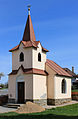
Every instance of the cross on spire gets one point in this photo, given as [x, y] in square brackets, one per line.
[29, 9]
[29, 31]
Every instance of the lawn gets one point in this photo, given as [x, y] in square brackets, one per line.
[66, 112]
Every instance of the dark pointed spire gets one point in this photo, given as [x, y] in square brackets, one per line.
[29, 31]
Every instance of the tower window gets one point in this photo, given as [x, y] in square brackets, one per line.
[39, 57]
[21, 57]
[63, 86]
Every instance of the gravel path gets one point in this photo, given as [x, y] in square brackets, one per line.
[6, 109]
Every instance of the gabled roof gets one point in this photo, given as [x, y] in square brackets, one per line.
[70, 72]
[29, 71]
[29, 37]
[55, 67]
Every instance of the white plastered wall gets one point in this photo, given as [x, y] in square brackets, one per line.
[30, 58]
[12, 86]
[27, 63]
[58, 86]
[35, 62]
[39, 87]
[31, 80]
[54, 85]
[35, 86]
[20, 77]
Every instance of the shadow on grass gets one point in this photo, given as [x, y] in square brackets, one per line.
[47, 116]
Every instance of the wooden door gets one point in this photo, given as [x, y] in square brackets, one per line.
[21, 92]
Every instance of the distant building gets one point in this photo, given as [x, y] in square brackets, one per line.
[34, 77]
[74, 76]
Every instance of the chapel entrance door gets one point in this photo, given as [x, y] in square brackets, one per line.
[21, 92]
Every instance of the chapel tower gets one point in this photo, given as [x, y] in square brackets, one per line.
[27, 81]
[29, 53]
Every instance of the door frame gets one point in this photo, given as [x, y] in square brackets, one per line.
[19, 79]
[23, 89]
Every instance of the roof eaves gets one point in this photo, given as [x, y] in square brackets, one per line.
[63, 75]
[15, 48]
[43, 49]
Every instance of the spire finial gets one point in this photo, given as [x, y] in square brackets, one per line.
[29, 9]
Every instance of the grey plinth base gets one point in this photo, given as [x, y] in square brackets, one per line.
[11, 101]
[57, 101]
[41, 102]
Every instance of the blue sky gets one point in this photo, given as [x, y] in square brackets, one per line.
[55, 24]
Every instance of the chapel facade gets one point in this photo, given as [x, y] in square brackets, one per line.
[34, 77]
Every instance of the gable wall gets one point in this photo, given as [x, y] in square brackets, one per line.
[13, 79]
[30, 58]
[27, 58]
[35, 86]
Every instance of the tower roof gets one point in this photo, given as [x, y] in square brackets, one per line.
[29, 39]
[29, 31]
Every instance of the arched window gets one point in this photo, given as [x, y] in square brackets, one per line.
[21, 57]
[63, 86]
[39, 57]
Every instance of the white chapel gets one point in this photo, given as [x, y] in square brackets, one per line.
[34, 77]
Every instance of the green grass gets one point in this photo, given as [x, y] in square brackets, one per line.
[74, 90]
[66, 112]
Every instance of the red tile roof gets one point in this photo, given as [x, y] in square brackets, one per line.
[59, 70]
[29, 71]
[28, 44]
